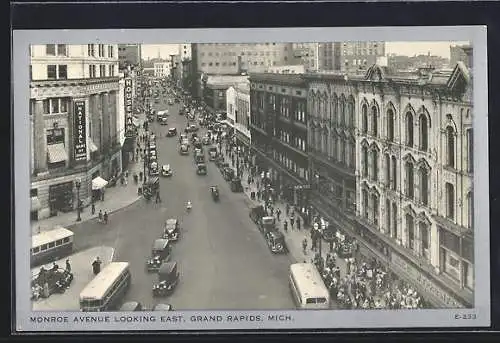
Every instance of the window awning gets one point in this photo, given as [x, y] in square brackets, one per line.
[57, 153]
[92, 146]
[98, 183]
[136, 122]
[35, 204]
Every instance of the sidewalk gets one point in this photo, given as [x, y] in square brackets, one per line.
[82, 272]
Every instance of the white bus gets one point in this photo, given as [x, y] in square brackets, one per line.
[107, 289]
[307, 287]
[51, 245]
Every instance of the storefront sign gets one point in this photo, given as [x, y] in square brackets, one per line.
[130, 129]
[424, 283]
[80, 135]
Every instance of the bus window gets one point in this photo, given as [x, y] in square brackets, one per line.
[35, 250]
[310, 301]
[58, 242]
[43, 247]
[320, 300]
[52, 244]
[66, 240]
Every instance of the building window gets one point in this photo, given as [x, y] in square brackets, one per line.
[101, 50]
[394, 178]
[51, 72]
[409, 180]
[92, 71]
[470, 209]
[62, 50]
[111, 70]
[387, 216]
[410, 229]
[374, 165]
[55, 136]
[424, 237]
[394, 232]
[376, 206]
[390, 125]
[409, 129]
[364, 196]
[55, 105]
[387, 170]
[450, 140]
[374, 121]
[364, 161]
[470, 151]
[50, 49]
[110, 51]
[424, 185]
[450, 201]
[102, 70]
[364, 120]
[91, 50]
[424, 133]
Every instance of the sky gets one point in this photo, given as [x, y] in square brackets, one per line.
[401, 48]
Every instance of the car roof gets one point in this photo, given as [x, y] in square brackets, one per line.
[167, 267]
[130, 306]
[162, 307]
[171, 221]
[275, 234]
[160, 243]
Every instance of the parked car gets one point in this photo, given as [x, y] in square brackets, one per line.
[172, 131]
[184, 150]
[131, 306]
[276, 242]
[171, 230]
[201, 169]
[163, 307]
[166, 170]
[256, 213]
[168, 278]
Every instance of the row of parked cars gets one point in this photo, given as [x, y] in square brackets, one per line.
[267, 226]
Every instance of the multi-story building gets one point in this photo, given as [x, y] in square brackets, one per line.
[74, 122]
[214, 89]
[162, 69]
[332, 142]
[460, 53]
[129, 55]
[278, 126]
[234, 59]
[185, 52]
[314, 56]
[238, 111]
[287, 69]
[353, 56]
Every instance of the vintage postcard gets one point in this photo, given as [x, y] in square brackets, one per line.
[251, 179]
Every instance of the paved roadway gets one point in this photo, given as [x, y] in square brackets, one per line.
[223, 259]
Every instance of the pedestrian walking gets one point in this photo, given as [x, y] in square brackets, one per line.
[68, 266]
[285, 226]
[278, 214]
[298, 223]
[157, 199]
[105, 217]
[92, 208]
[140, 176]
[96, 265]
[292, 221]
[100, 216]
[287, 208]
[331, 245]
[304, 246]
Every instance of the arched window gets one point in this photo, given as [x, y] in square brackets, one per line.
[364, 158]
[351, 113]
[394, 178]
[364, 195]
[450, 142]
[374, 165]
[390, 125]
[410, 230]
[424, 132]
[387, 227]
[376, 207]
[470, 209]
[342, 112]
[342, 150]
[334, 110]
[394, 232]
[409, 129]
[424, 237]
[352, 154]
[334, 148]
[374, 121]
[424, 185]
[450, 201]
[364, 120]
[387, 167]
[409, 180]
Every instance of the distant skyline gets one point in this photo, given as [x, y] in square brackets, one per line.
[401, 48]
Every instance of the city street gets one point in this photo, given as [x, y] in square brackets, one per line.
[223, 260]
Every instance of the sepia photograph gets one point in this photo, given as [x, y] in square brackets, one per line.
[227, 184]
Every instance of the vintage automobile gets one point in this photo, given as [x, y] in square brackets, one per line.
[193, 128]
[199, 157]
[267, 224]
[166, 170]
[198, 145]
[201, 169]
[214, 190]
[153, 169]
[228, 173]
[150, 187]
[276, 242]
[184, 150]
[256, 213]
[171, 230]
[168, 278]
[194, 137]
[172, 131]
[163, 120]
[160, 253]
[212, 153]
[186, 142]
[236, 186]
[131, 306]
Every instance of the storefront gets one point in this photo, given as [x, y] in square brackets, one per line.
[128, 152]
[61, 198]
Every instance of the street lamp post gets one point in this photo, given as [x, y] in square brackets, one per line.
[78, 184]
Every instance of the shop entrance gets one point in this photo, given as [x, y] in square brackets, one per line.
[61, 198]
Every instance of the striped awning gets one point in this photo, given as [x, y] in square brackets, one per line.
[57, 153]
[92, 146]
[35, 204]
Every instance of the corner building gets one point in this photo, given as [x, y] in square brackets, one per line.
[74, 123]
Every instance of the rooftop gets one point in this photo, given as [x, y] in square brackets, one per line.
[288, 79]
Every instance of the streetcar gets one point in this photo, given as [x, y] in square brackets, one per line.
[51, 246]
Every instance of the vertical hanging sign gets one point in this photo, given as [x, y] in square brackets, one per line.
[80, 135]
[130, 129]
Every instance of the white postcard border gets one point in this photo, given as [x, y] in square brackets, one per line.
[354, 319]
